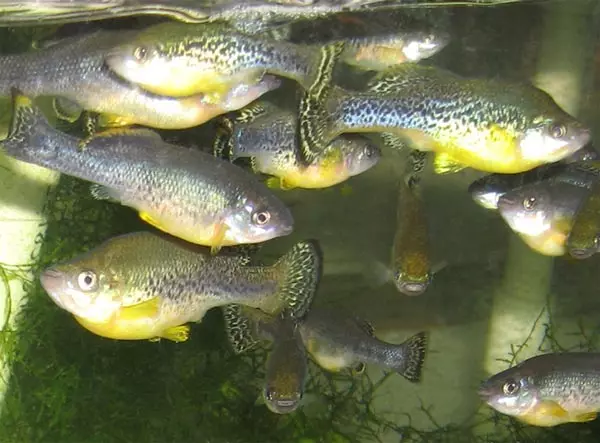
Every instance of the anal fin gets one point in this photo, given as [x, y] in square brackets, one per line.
[177, 334]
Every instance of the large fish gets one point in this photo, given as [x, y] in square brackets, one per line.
[187, 193]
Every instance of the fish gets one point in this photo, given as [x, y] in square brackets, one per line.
[266, 133]
[177, 59]
[484, 124]
[584, 237]
[486, 190]
[287, 362]
[547, 390]
[542, 213]
[338, 341]
[146, 285]
[185, 192]
[411, 264]
[374, 40]
[73, 71]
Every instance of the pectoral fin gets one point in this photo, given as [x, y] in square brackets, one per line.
[177, 334]
[220, 231]
[445, 164]
[587, 416]
[114, 121]
[66, 109]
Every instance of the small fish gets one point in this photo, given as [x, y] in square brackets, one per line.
[543, 212]
[336, 342]
[548, 390]
[484, 124]
[187, 193]
[287, 363]
[374, 40]
[584, 238]
[73, 70]
[146, 286]
[178, 60]
[411, 262]
[487, 190]
[267, 134]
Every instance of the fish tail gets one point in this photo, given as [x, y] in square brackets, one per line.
[413, 356]
[238, 328]
[313, 117]
[27, 123]
[302, 269]
[222, 145]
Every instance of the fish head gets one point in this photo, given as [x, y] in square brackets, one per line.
[280, 396]
[487, 190]
[528, 210]
[359, 154]
[259, 217]
[421, 45]
[412, 285]
[143, 64]
[552, 138]
[84, 291]
[510, 392]
[244, 93]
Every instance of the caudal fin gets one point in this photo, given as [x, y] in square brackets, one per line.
[313, 116]
[238, 328]
[413, 357]
[302, 269]
[27, 124]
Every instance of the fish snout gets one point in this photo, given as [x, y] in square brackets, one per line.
[53, 283]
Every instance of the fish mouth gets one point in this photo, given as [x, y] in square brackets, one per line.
[485, 392]
[53, 281]
[412, 288]
[283, 406]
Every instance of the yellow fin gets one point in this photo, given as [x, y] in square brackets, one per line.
[146, 309]
[285, 185]
[273, 182]
[218, 237]
[115, 132]
[113, 120]
[358, 369]
[586, 416]
[177, 333]
[445, 164]
[66, 110]
[150, 220]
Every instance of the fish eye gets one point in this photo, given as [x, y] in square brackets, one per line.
[87, 280]
[511, 387]
[140, 53]
[529, 203]
[558, 130]
[270, 394]
[261, 218]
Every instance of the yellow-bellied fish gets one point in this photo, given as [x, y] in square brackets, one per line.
[337, 341]
[267, 134]
[542, 213]
[73, 70]
[144, 285]
[178, 59]
[373, 40]
[484, 124]
[185, 192]
[548, 390]
[287, 363]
